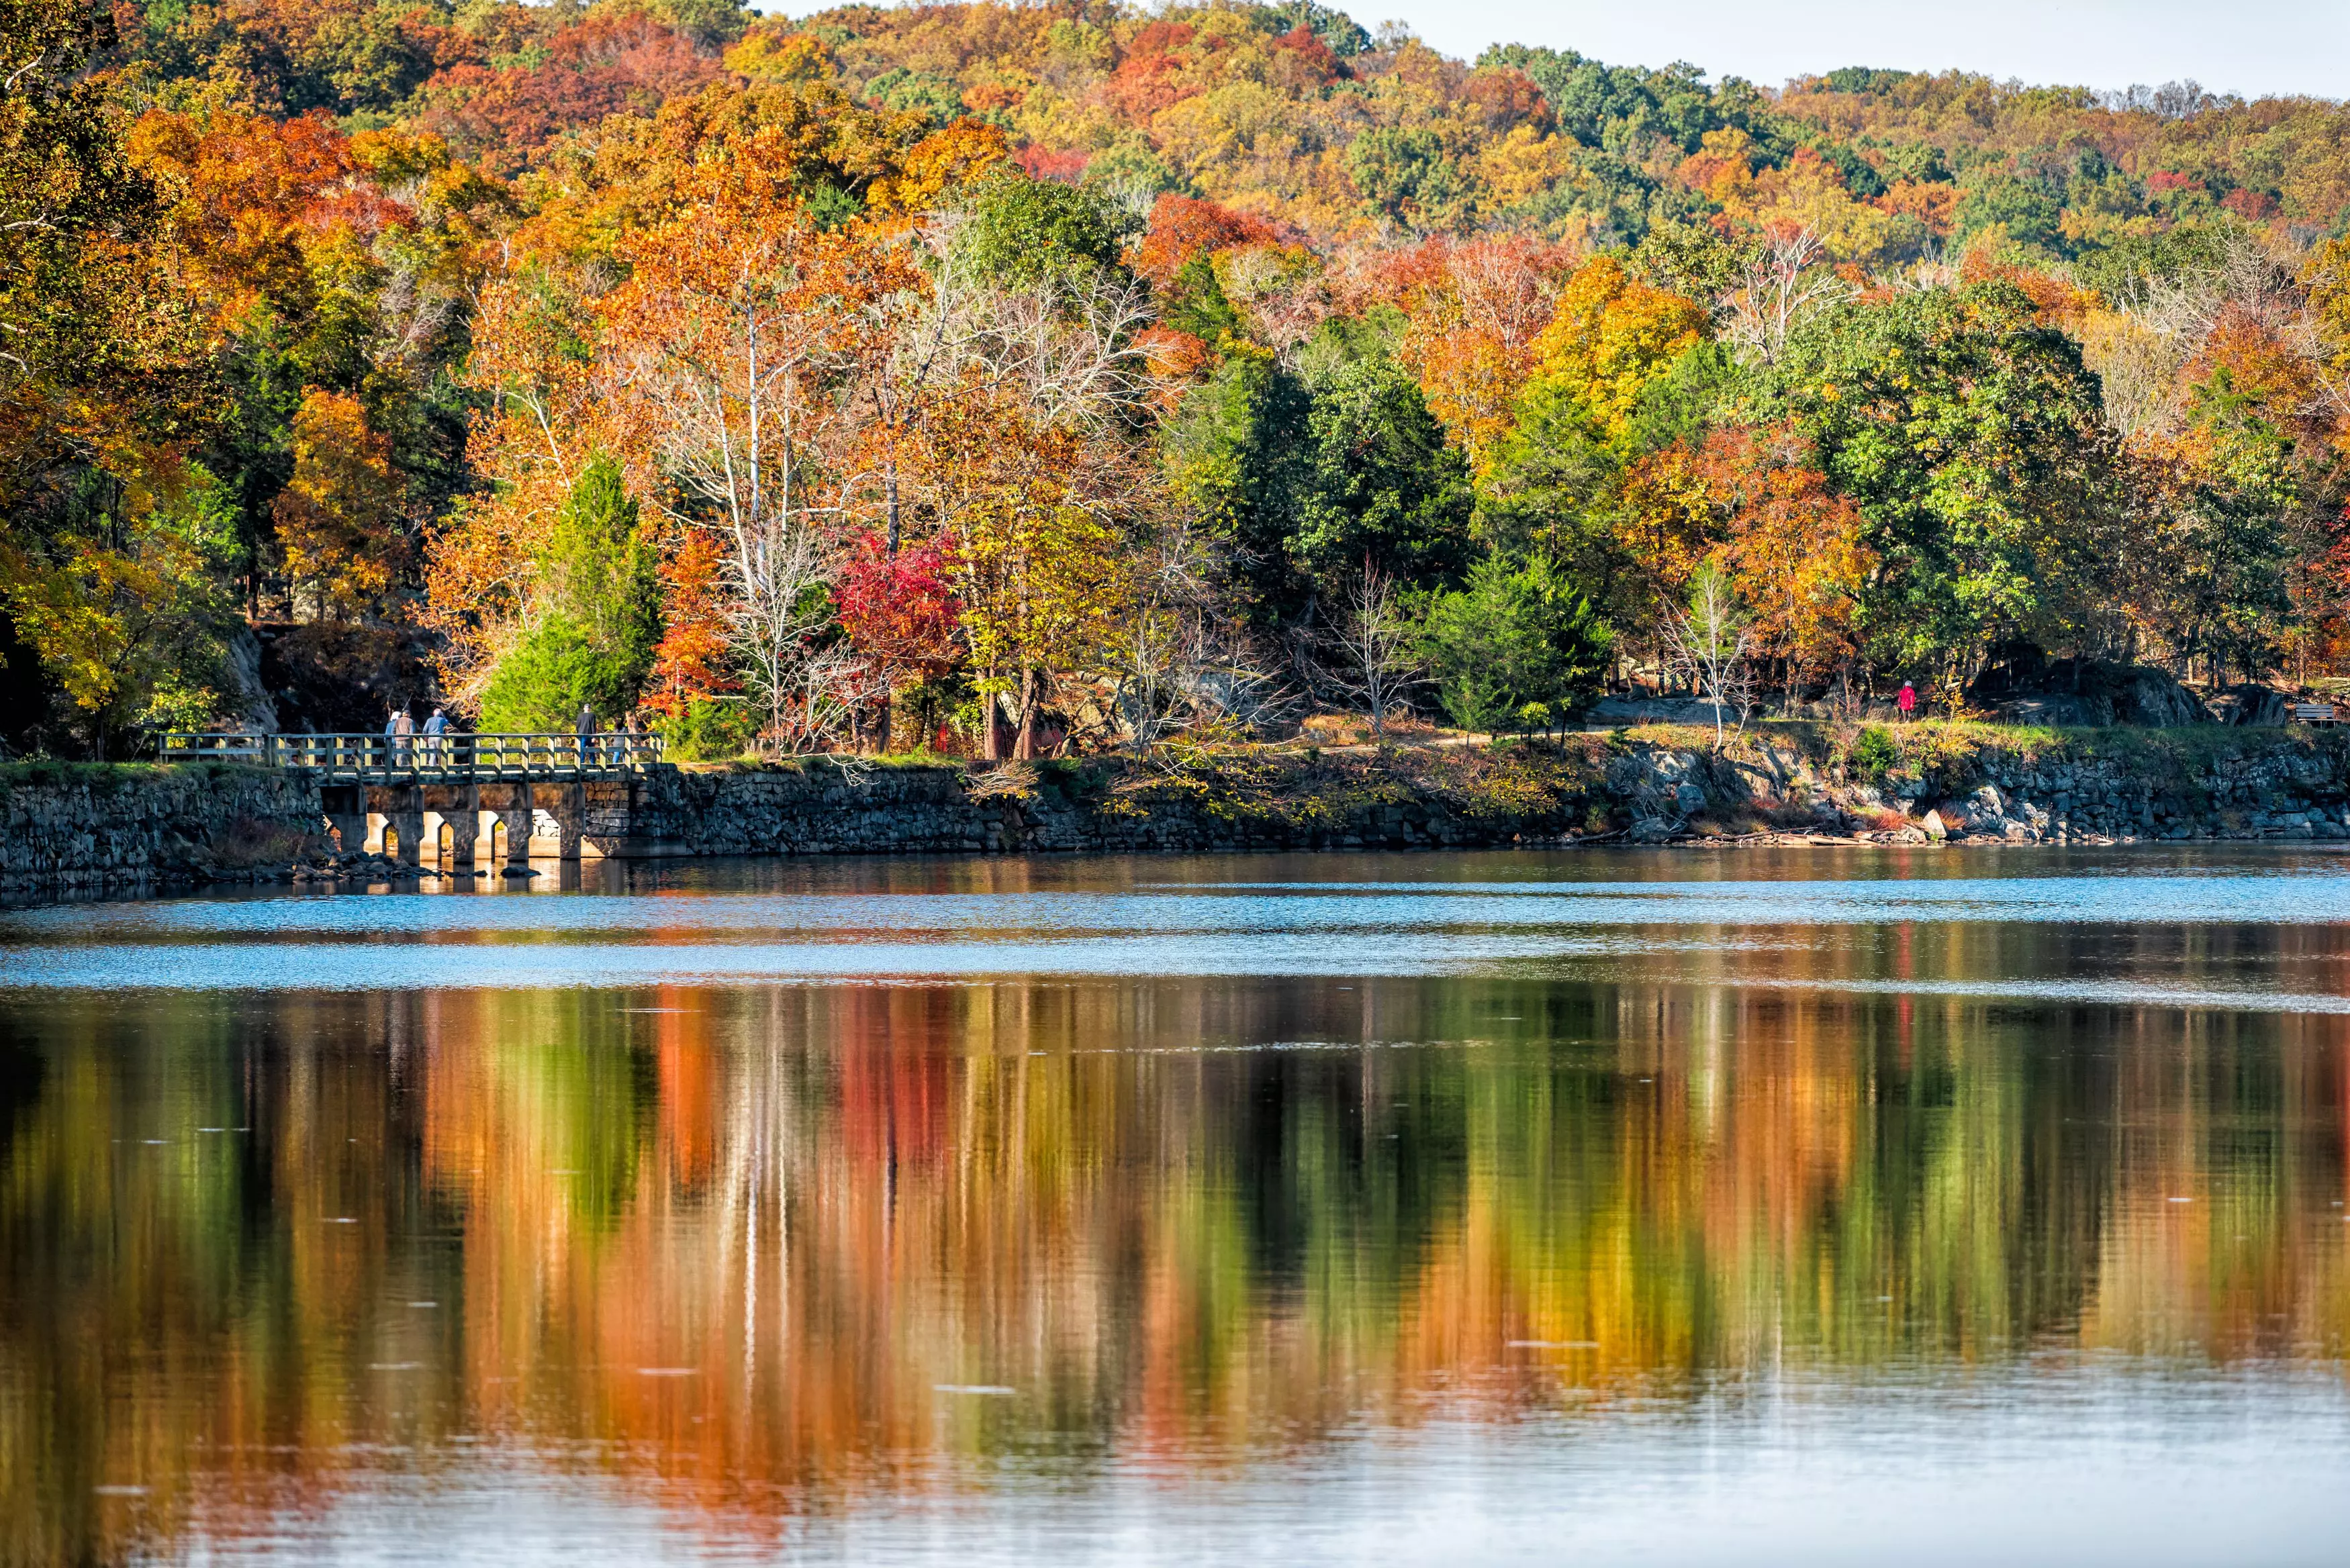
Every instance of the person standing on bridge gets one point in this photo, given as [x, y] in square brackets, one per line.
[586, 730]
[434, 728]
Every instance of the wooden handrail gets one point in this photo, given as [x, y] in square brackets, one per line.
[455, 756]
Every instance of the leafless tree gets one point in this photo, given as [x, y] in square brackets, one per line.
[1782, 283]
[1708, 646]
[2159, 322]
[1282, 295]
[733, 371]
[1371, 645]
[1064, 345]
[774, 612]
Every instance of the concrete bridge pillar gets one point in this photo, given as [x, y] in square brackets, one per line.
[464, 831]
[406, 819]
[346, 808]
[517, 816]
[569, 811]
[459, 807]
[350, 830]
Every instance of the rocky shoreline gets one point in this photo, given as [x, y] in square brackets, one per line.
[67, 831]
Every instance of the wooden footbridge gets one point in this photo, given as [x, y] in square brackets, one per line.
[397, 793]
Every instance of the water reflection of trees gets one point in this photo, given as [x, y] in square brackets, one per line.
[734, 1241]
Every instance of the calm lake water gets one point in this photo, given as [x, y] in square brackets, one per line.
[1809, 1206]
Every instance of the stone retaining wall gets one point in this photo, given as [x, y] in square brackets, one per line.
[66, 829]
[819, 807]
[70, 829]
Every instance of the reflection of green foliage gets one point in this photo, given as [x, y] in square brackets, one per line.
[1699, 1182]
[581, 1088]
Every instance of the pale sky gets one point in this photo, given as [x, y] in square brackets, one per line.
[2248, 47]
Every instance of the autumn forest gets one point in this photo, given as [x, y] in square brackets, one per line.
[996, 379]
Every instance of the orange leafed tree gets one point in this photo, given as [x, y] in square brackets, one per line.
[1795, 552]
[729, 358]
[1474, 326]
[692, 665]
[1755, 503]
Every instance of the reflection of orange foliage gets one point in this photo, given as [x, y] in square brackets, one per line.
[895, 1080]
[683, 1053]
[732, 1240]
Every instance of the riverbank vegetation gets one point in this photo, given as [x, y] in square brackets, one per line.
[1012, 380]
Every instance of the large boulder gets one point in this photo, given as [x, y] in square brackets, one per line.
[1989, 813]
[1650, 782]
[2247, 704]
[2022, 685]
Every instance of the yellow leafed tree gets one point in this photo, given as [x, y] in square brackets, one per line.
[339, 518]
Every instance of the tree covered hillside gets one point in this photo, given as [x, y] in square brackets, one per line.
[1010, 376]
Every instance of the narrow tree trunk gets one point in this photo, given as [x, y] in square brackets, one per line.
[1024, 749]
[991, 744]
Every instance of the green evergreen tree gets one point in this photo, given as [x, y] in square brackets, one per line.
[1516, 641]
[1385, 487]
[593, 642]
[1237, 450]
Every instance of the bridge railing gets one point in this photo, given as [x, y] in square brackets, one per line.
[449, 756]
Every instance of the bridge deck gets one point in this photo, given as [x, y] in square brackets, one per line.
[427, 759]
